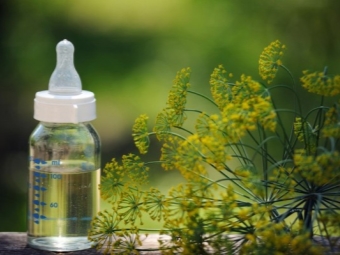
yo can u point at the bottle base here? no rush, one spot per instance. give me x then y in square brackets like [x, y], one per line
[59, 244]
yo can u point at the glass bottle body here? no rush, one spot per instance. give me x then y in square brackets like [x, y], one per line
[63, 192]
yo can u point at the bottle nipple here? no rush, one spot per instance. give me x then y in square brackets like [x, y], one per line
[65, 79]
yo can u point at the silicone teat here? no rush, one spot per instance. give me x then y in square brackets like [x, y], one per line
[65, 79]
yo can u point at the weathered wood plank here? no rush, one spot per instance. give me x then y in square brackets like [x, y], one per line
[12, 243]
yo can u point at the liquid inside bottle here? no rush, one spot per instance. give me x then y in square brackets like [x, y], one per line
[63, 187]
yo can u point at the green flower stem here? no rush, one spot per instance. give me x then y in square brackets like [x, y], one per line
[293, 90]
[184, 129]
[169, 133]
[239, 149]
[330, 202]
[201, 95]
[294, 86]
[287, 143]
[154, 162]
[319, 120]
[258, 149]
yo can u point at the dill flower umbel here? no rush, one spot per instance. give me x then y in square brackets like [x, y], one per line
[141, 134]
[113, 180]
[220, 88]
[136, 169]
[103, 231]
[130, 206]
[258, 178]
[177, 96]
[164, 122]
[270, 60]
[320, 83]
[332, 122]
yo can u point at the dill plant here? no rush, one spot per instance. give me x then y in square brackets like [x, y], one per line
[275, 187]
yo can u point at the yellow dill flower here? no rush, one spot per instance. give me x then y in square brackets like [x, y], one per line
[322, 169]
[331, 126]
[130, 206]
[237, 121]
[242, 172]
[270, 60]
[247, 103]
[179, 203]
[177, 97]
[219, 87]
[136, 169]
[320, 83]
[140, 133]
[190, 159]
[266, 112]
[112, 181]
[164, 121]
[298, 129]
[211, 126]
[246, 88]
[169, 153]
[250, 104]
[155, 203]
[103, 232]
[275, 239]
[244, 214]
[214, 151]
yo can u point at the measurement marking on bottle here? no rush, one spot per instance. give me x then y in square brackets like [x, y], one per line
[56, 176]
[55, 162]
[38, 178]
[37, 202]
[39, 175]
[86, 218]
[37, 187]
[54, 205]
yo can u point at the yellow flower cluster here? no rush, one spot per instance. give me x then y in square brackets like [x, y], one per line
[112, 181]
[155, 203]
[190, 160]
[320, 83]
[219, 87]
[274, 183]
[141, 134]
[177, 97]
[319, 170]
[270, 60]
[274, 239]
[169, 153]
[246, 104]
[331, 126]
[130, 206]
[136, 169]
[191, 215]
[163, 124]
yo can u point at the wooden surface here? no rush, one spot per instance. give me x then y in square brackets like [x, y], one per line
[15, 243]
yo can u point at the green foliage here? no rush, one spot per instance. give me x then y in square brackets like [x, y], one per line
[268, 174]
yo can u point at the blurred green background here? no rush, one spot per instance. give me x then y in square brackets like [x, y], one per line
[128, 53]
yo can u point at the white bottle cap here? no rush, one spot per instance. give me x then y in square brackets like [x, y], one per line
[64, 101]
